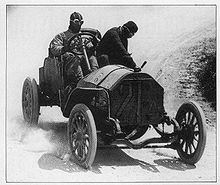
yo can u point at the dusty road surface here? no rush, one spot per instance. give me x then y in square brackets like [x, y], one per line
[37, 154]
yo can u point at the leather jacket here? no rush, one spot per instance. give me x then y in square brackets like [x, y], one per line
[56, 46]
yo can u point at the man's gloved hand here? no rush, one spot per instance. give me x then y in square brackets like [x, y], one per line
[67, 46]
[89, 45]
[137, 69]
[90, 48]
[65, 49]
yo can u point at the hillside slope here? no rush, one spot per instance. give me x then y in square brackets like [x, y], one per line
[176, 70]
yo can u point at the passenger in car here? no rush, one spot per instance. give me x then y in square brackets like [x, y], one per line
[113, 47]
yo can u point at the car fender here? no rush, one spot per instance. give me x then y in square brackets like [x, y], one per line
[85, 96]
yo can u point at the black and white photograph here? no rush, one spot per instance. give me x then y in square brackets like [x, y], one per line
[110, 93]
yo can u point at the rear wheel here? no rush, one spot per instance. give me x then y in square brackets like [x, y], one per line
[82, 135]
[30, 103]
[192, 138]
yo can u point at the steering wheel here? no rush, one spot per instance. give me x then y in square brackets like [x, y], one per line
[81, 40]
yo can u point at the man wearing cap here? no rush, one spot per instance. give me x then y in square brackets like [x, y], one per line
[59, 46]
[113, 47]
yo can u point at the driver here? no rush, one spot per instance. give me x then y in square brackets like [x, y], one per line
[73, 63]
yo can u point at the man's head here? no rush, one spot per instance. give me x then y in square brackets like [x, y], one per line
[76, 21]
[130, 28]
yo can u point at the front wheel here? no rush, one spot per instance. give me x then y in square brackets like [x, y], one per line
[192, 137]
[82, 135]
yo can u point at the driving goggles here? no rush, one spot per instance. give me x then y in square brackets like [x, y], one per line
[77, 21]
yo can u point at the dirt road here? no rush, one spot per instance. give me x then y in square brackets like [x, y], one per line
[35, 154]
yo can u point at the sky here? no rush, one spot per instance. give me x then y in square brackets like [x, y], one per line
[31, 28]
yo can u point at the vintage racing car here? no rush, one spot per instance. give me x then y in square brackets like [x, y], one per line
[116, 105]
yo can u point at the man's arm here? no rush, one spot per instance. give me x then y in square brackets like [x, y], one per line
[57, 45]
[117, 44]
[122, 52]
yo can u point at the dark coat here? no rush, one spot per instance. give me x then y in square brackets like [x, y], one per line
[115, 45]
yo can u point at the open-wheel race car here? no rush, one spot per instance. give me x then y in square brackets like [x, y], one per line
[116, 105]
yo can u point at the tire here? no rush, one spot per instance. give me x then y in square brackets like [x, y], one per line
[192, 138]
[30, 103]
[82, 136]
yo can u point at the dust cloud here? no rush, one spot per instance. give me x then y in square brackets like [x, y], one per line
[48, 136]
